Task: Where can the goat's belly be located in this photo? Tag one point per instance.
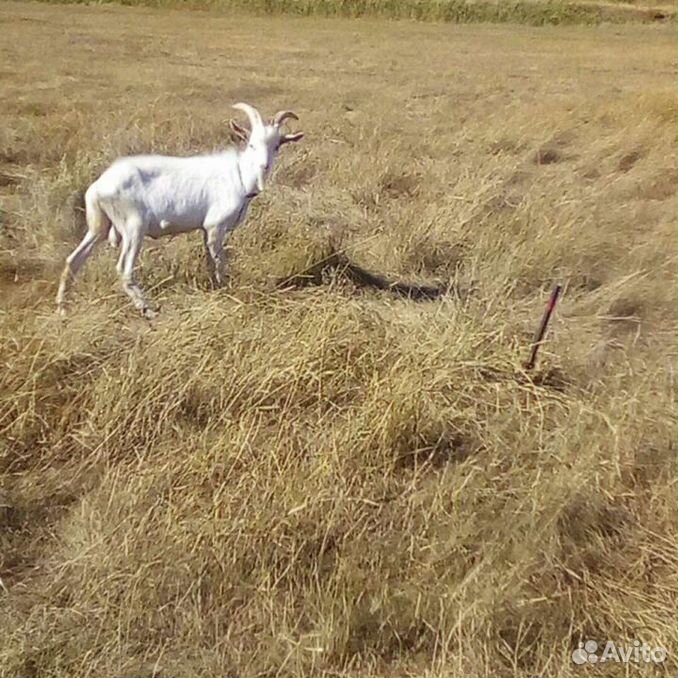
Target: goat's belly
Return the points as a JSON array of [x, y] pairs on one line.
[[163, 227]]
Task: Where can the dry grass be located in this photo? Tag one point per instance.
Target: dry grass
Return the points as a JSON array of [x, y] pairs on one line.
[[330, 481], [531, 12]]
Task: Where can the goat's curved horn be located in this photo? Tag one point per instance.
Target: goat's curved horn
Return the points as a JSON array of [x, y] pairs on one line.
[[252, 113], [281, 116]]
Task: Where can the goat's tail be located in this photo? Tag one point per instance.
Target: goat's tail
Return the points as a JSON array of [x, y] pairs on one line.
[[98, 222], [78, 208]]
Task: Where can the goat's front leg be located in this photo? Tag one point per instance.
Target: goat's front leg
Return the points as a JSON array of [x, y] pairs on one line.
[[131, 246], [214, 250]]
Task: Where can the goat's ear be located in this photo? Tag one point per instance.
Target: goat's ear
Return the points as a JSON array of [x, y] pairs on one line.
[[238, 133], [287, 138]]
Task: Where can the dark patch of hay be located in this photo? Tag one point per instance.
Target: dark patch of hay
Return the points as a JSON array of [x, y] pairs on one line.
[[337, 263]]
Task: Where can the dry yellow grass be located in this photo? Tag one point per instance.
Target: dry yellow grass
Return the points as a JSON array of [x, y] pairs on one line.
[[329, 481], [529, 12]]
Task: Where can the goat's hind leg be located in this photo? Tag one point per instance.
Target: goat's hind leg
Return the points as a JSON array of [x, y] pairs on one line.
[[74, 263]]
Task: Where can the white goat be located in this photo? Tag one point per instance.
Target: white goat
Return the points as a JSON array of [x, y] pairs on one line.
[[157, 195]]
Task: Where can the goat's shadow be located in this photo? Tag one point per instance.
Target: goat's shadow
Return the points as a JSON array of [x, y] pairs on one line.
[[339, 264]]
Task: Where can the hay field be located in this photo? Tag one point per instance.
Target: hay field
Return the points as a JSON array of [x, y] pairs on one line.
[[530, 12], [328, 480]]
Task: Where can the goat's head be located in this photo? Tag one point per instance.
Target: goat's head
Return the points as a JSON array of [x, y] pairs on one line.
[[263, 141]]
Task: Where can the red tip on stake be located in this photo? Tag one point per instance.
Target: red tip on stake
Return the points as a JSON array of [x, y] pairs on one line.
[[541, 330]]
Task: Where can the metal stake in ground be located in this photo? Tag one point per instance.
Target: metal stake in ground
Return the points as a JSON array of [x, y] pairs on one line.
[[541, 330]]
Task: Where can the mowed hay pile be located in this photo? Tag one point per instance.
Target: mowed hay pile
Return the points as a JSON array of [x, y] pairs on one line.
[[330, 480]]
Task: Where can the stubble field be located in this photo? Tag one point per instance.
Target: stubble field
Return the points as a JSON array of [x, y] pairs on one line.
[[329, 480]]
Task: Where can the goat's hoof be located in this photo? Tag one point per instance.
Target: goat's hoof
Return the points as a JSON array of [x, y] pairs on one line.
[[61, 311], [149, 313]]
